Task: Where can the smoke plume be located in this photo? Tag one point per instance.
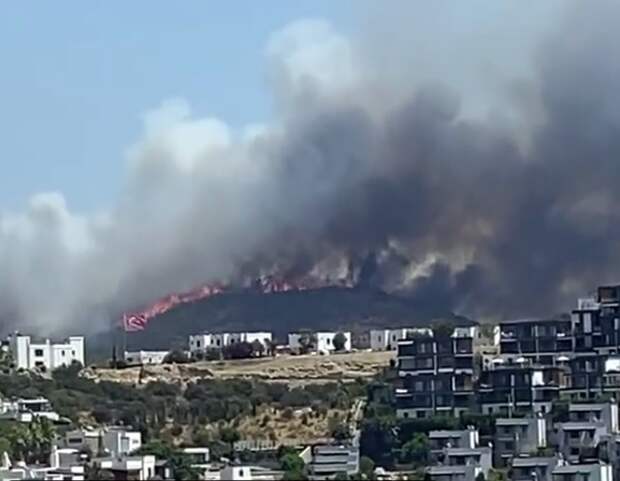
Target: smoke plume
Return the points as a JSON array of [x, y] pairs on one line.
[[463, 158]]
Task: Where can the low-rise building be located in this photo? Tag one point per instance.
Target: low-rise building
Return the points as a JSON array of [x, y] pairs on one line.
[[31, 355], [141, 358], [324, 461], [25, 410], [533, 468], [112, 441], [199, 458], [583, 472], [462, 464], [518, 437], [323, 341], [387, 339], [138, 468], [579, 441], [56, 470], [606, 413], [202, 342], [442, 439]]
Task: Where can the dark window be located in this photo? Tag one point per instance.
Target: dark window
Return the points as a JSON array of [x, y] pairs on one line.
[[62, 353], [197, 343], [38, 352], [421, 414]]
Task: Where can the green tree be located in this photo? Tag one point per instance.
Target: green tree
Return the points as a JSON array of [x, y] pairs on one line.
[[307, 342], [291, 462], [416, 450], [339, 341], [257, 348], [367, 468], [342, 477]]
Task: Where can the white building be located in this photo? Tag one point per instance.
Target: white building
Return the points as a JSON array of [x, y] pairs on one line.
[[201, 342], [324, 341], [387, 339], [29, 355], [25, 410], [57, 470], [139, 468], [112, 441], [145, 357]]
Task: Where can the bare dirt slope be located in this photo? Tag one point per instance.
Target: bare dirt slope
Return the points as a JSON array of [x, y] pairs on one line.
[[292, 369]]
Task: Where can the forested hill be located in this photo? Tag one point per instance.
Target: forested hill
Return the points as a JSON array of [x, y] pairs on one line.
[[327, 308]]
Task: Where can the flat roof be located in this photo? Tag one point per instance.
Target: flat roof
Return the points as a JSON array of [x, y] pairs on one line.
[[580, 426], [576, 468], [533, 461], [447, 469], [587, 407], [532, 321], [512, 421], [446, 433]]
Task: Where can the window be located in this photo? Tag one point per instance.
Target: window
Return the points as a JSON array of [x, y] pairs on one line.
[[329, 341], [421, 414], [241, 473], [62, 353], [217, 342], [38, 352], [197, 343], [405, 414]]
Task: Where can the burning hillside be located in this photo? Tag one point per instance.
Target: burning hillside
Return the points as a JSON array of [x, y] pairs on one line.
[[269, 284]]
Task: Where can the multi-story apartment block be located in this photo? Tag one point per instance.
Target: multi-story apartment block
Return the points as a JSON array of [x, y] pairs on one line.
[[462, 464], [507, 388], [516, 437], [436, 373], [538, 341]]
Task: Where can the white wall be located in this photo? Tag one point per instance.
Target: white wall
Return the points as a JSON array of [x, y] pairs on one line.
[[145, 357], [29, 356]]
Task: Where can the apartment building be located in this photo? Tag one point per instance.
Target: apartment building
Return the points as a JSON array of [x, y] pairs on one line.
[[583, 472], [30, 355], [516, 437], [505, 388], [436, 373], [533, 468], [462, 464], [442, 439], [540, 341]]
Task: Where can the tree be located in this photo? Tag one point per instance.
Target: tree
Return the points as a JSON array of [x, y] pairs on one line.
[[238, 350], [442, 327], [341, 432], [291, 462], [416, 450], [176, 356], [342, 476], [367, 467], [339, 341], [257, 348], [307, 342]]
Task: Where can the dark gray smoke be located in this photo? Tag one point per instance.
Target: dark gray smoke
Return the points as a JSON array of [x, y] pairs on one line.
[[459, 164]]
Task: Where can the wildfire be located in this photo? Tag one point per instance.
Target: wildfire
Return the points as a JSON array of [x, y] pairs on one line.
[[137, 321]]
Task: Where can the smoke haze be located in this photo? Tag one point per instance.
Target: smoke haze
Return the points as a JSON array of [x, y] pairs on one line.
[[467, 158]]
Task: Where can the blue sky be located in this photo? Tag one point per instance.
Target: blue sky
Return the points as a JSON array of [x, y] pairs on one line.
[[77, 76]]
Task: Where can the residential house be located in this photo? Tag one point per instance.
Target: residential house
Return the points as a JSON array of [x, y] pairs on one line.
[[31, 355], [128, 468], [202, 342], [324, 341], [387, 339], [111, 441], [324, 461], [141, 358]]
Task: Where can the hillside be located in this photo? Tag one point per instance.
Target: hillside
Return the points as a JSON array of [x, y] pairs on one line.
[[326, 308]]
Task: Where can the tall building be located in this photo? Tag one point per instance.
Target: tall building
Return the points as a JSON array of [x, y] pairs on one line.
[[436, 373]]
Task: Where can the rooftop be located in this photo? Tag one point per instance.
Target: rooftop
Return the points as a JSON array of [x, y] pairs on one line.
[[512, 421], [576, 468], [446, 433], [533, 461]]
